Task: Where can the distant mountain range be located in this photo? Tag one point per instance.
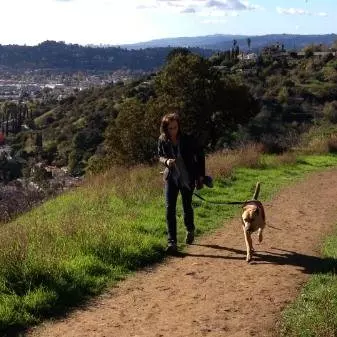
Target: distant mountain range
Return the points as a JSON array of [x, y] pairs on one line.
[[225, 42], [144, 56], [61, 57]]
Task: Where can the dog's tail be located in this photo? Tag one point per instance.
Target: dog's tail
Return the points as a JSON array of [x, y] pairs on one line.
[[257, 191]]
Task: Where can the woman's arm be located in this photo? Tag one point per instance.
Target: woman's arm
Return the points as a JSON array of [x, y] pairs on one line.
[[163, 157]]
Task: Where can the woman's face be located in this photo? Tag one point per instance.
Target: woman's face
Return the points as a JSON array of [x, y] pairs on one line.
[[173, 129]]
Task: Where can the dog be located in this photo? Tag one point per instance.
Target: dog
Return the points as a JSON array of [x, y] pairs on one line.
[[253, 219]]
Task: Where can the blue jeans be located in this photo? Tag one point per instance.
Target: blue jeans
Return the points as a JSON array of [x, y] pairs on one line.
[[171, 196]]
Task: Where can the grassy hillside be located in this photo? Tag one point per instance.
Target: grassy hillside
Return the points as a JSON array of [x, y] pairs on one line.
[[227, 101], [75, 245]]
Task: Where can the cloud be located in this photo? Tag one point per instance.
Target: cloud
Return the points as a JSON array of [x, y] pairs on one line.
[[231, 5], [147, 5], [298, 11], [199, 6], [227, 5], [217, 14], [292, 11], [188, 10], [214, 21]]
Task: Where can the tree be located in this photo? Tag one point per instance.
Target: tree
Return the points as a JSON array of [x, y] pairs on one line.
[[235, 49], [10, 114], [126, 139], [235, 106], [177, 51], [209, 106], [187, 85], [248, 42]]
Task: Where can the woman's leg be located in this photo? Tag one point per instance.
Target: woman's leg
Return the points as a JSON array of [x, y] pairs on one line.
[[171, 195], [186, 195]]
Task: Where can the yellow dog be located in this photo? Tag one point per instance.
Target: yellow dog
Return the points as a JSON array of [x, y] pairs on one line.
[[253, 219]]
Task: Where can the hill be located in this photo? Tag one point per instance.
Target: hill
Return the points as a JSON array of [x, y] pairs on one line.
[[225, 42], [197, 41], [144, 56], [59, 56], [226, 101]]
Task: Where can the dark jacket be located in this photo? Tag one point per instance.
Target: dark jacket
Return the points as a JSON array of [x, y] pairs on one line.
[[191, 152]]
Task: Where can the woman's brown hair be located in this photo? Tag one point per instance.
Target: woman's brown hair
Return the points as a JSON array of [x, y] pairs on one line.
[[166, 120]]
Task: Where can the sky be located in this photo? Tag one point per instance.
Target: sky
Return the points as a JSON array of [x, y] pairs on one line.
[[117, 22]]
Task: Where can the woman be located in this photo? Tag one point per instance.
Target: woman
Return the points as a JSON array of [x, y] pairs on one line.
[[185, 169]]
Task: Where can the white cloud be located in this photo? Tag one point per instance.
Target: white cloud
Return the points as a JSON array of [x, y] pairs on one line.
[[231, 5], [199, 6], [188, 10], [146, 7], [226, 5], [251, 6], [214, 21], [298, 11], [208, 13], [292, 11]]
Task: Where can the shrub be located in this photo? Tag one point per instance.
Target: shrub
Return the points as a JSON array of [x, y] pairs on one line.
[[330, 111], [332, 144], [317, 146], [222, 163], [286, 158]]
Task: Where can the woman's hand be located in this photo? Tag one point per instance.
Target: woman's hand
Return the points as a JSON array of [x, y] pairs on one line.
[[170, 162]]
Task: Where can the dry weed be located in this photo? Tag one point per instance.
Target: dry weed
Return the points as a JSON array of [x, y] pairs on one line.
[[286, 159], [332, 144], [222, 163]]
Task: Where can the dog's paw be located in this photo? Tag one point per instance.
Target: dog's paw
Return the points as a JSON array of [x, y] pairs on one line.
[[248, 258]]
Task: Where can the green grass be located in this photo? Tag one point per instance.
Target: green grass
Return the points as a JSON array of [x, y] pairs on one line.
[[75, 245], [314, 313]]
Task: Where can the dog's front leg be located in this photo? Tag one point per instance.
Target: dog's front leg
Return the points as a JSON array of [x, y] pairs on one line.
[[260, 235], [249, 245]]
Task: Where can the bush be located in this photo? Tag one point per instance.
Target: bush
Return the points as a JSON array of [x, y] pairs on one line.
[[222, 163], [286, 158], [273, 144], [330, 112], [332, 144]]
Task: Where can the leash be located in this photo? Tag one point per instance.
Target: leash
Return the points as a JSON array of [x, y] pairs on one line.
[[219, 202], [225, 202]]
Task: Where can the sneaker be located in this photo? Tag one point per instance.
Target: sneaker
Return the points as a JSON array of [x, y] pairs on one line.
[[189, 237], [172, 248]]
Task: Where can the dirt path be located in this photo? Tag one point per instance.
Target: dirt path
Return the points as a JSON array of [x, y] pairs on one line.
[[212, 291]]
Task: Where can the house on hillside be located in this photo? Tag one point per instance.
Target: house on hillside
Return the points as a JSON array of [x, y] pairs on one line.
[[250, 56], [318, 53]]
